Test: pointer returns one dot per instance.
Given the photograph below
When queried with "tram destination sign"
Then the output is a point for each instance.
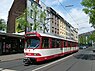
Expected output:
(30, 34)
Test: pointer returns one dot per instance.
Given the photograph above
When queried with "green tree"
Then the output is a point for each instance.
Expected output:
(39, 17)
(92, 36)
(89, 8)
(21, 22)
(43, 20)
(3, 25)
(34, 15)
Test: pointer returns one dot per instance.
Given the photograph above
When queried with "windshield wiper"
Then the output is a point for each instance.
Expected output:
(36, 46)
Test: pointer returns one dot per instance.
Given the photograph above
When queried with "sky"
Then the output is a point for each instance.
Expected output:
(74, 14)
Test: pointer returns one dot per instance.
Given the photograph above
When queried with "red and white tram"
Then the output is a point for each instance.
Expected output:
(40, 47)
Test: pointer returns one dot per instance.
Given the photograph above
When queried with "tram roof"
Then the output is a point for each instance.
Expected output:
(52, 36)
(55, 36)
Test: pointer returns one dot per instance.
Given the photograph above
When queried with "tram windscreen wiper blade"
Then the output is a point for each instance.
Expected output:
(36, 46)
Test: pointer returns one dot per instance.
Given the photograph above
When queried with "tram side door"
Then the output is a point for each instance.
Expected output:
(61, 46)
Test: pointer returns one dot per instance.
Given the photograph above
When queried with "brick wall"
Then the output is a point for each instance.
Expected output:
(17, 9)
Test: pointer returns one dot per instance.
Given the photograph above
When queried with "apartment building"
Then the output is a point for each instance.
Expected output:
(54, 21)
(76, 34)
(62, 27)
(37, 14)
(55, 24)
(59, 26)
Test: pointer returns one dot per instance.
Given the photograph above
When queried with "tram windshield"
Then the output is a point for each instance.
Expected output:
(32, 42)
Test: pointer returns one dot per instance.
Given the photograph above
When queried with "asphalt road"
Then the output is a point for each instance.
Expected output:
(84, 60)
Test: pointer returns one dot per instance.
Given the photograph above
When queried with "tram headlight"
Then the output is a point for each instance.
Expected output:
(32, 54)
(37, 54)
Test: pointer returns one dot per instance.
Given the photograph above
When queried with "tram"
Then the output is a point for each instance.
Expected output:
(40, 47)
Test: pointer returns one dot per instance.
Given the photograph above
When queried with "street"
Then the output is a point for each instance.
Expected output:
(84, 60)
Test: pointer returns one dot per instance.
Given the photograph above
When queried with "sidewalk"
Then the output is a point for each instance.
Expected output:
(11, 57)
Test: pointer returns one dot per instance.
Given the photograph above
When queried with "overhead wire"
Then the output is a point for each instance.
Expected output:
(67, 12)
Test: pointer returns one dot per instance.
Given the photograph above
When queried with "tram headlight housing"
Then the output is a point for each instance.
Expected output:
(37, 54)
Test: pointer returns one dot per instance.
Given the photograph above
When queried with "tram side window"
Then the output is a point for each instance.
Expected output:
(45, 43)
(73, 44)
(69, 44)
(54, 43)
(59, 45)
(65, 44)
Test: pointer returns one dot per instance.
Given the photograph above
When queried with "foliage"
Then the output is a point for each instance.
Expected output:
(90, 10)
(21, 22)
(39, 17)
(92, 36)
(43, 20)
(34, 15)
(3, 26)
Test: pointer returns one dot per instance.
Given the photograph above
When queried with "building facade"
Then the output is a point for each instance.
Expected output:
(62, 27)
(55, 24)
(54, 21)
(87, 38)
(46, 18)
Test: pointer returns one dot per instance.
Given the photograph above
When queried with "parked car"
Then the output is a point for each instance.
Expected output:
(93, 50)
(82, 47)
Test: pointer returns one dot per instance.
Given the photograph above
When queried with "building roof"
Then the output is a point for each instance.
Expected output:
(11, 35)
(87, 33)
(51, 10)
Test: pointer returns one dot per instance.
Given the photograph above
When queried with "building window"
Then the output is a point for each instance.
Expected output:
(40, 28)
(31, 2)
(52, 21)
(55, 32)
(55, 23)
(55, 28)
(52, 31)
(52, 27)
(31, 13)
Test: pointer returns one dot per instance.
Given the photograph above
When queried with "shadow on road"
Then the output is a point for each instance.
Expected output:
(85, 56)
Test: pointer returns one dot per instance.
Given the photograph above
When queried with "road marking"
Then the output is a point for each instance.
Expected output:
(52, 63)
(1, 69)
